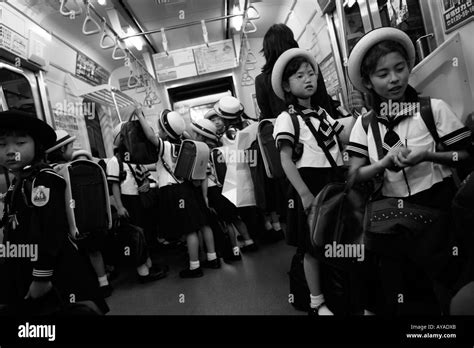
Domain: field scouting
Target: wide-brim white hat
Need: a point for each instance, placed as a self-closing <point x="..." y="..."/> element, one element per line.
<point x="282" y="62"/>
<point x="367" y="42"/>
<point x="229" y="107"/>
<point x="206" y="128"/>
<point x="172" y="123"/>
<point x="62" y="138"/>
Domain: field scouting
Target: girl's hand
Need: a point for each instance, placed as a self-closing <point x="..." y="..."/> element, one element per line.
<point x="38" y="289"/>
<point x="391" y="162"/>
<point x="122" y="212"/>
<point x="307" y="199"/>
<point x="410" y="158"/>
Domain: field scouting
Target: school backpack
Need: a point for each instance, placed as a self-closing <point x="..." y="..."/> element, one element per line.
<point x="268" y="149"/>
<point x="267" y="146"/>
<point x="137" y="148"/>
<point x="87" y="198"/>
<point x="192" y="160"/>
<point x="219" y="165"/>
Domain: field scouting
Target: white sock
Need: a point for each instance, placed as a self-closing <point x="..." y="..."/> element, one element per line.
<point x="276" y="226"/>
<point x="143" y="270"/>
<point x="236" y="250"/>
<point x="268" y="225"/>
<point x="194" y="265"/>
<point x="248" y="242"/>
<point x="316" y="301"/>
<point x="103" y="281"/>
<point x="211" y="256"/>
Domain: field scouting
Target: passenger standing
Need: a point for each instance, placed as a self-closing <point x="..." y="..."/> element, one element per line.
<point x="59" y="154"/>
<point x="294" y="80"/>
<point x="277" y="40"/>
<point x="35" y="215"/>
<point x="411" y="166"/>
<point x="179" y="209"/>
<point x="125" y="190"/>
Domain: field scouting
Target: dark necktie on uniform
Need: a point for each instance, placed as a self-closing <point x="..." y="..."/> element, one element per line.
<point x="391" y="139"/>
<point x="325" y="130"/>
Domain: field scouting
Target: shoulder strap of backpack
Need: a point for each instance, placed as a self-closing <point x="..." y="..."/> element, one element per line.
<point x="374" y="124"/>
<point x="427" y="116"/>
<point x="320" y="142"/>
<point x="296" y="126"/>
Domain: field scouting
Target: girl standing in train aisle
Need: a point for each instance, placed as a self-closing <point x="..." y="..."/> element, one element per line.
<point x="294" y="80"/>
<point x="35" y="215"/>
<point x="277" y="40"/>
<point x="61" y="153"/>
<point x="179" y="209"/>
<point x="230" y="112"/>
<point x="205" y="131"/>
<point x="125" y="191"/>
<point x="412" y="168"/>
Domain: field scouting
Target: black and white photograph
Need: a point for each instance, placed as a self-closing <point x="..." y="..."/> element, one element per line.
<point x="276" y="171"/>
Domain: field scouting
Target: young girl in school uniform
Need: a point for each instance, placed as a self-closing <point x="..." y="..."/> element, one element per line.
<point x="412" y="168"/>
<point x="61" y="153"/>
<point x="35" y="215"/>
<point x="205" y="131"/>
<point x="294" y="80"/>
<point x="180" y="211"/>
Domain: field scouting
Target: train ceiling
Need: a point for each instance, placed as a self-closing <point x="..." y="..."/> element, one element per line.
<point x="149" y="15"/>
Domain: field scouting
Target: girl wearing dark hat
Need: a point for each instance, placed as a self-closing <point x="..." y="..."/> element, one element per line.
<point x="179" y="212"/>
<point x="412" y="165"/>
<point x="35" y="215"/>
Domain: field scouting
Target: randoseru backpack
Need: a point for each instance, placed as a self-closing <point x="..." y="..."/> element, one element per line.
<point x="138" y="149"/>
<point x="192" y="160"/>
<point x="87" y="198"/>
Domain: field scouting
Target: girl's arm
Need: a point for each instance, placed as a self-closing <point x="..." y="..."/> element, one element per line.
<point x="448" y="158"/>
<point x="146" y="128"/>
<point x="121" y="211"/>
<point x="294" y="176"/>
<point x="204" y="186"/>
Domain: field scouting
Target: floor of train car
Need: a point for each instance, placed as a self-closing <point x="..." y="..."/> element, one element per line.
<point x="257" y="285"/>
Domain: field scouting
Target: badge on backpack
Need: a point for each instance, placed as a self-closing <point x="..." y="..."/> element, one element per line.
<point x="40" y="196"/>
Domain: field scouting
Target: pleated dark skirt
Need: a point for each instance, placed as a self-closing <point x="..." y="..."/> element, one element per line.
<point x="179" y="212"/>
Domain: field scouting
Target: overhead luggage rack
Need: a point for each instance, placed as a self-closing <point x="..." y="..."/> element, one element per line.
<point x="108" y="95"/>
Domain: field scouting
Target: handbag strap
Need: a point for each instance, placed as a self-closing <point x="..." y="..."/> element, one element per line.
<point x="320" y="142"/>
<point x="133" y="173"/>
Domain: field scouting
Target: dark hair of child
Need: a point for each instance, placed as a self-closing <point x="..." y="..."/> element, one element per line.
<point x="39" y="148"/>
<point x="290" y="69"/>
<point x="277" y="40"/>
<point x="369" y="64"/>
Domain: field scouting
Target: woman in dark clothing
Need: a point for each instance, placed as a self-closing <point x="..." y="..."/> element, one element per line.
<point x="277" y="40"/>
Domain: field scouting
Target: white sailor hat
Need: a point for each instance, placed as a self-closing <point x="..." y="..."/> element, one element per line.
<point x="62" y="138"/>
<point x="206" y="128"/>
<point x="229" y="107"/>
<point x="282" y="62"/>
<point x="368" y="41"/>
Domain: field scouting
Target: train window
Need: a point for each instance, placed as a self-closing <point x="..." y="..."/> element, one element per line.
<point x="16" y="91"/>
<point x="404" y="15"/>
<point x="354" y="25"/>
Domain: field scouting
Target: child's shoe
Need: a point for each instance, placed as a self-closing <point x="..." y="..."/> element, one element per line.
<point x="233" y="257"/>
<point x="191" y="273"/>
<point x="155" y="274"/>
<point x="215" y="264"/>
<point x="106" y="290"/>
<point x="249" y="248"/>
